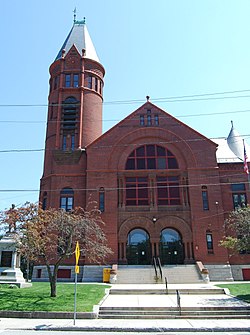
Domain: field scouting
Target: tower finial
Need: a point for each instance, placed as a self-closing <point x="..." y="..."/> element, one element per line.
<point x="84" y="20"/>
<point x="232" y="123"/>
<point x="74" y="11"/>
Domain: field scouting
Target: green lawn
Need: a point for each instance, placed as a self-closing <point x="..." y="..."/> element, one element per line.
<point x="240" y="291"/>
<point x="37" y="297"/>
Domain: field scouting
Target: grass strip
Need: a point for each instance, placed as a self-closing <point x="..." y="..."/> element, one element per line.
<point x="37" y="297"/>
<point x="240" y="291"/>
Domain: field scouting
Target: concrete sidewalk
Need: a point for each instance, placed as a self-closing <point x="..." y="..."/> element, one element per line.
<point x="170" y="325"/>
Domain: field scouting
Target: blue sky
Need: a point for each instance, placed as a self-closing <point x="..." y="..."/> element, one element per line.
<point x="159" y="48"/>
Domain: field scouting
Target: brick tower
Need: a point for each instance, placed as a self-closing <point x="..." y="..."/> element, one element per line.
<point x="74" y="119"/>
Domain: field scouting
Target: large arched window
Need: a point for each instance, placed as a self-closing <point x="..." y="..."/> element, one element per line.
<point x="150" y="157"/>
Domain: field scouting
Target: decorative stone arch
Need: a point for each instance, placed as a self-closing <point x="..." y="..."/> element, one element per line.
<point x="132" y="223"/>
<point x="176" y="223"/>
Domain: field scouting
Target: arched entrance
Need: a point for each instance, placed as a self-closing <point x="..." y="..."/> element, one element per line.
<point x="138" y="247"/>
<point x="171" y="247"/>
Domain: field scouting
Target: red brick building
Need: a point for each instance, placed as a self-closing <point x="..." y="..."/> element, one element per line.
<point x="163" y="188"/>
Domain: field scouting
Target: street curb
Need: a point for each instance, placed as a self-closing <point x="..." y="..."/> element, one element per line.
<point x="47" y="315"/>
<point x="139" y="329"/>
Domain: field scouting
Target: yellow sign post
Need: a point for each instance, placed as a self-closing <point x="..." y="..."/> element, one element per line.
<point x="77" y="270"/>
<point x="77" y="255"/>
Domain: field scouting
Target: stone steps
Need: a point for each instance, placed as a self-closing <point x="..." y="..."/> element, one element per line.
<point x="186" y="291"/>
<point x="146" y="275"/>
<point x="173" y="312"/>
<point x="196" y="302"/>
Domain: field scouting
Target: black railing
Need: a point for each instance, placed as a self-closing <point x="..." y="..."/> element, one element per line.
<point x="178" y="301"/>
<point x="160" y="267"/>
<point x="166" y="283"/>
<point x="155" y="267"/>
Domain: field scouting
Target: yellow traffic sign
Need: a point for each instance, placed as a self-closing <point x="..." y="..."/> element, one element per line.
<point x="77" y="252"/>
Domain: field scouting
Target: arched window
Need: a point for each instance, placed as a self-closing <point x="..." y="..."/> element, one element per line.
<point x="137" y="236"/>
<point x="67" y="199"/>
<point x="69" y="123"/>
<point x="204" y="194"/>
<point x="101" y="199"/>
<point x="150" y="157"/>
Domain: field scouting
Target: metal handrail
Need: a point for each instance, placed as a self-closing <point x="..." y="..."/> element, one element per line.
<point x="160" y="267"/>
<point x="155" y="267"/>
<point x="178" y="301"/>
<point x="166" y="283"/>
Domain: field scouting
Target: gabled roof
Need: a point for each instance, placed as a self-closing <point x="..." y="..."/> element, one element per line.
<point x="79" y="36"/>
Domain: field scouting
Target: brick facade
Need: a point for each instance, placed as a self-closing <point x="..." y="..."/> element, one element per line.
<point x="97" y="163"/>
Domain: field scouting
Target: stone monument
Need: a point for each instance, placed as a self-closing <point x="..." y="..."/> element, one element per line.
<point x="10" y="272"/>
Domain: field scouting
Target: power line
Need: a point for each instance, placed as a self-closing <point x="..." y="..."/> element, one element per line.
<point x="123" y="188"/>
<point x="184" y="98"/>
<point x="135" y="118"/>
<point x="137" y="144"/>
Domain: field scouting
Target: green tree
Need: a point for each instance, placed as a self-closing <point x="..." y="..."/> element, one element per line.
<point x="237" y="227"/>
<point x="49" y="236"/>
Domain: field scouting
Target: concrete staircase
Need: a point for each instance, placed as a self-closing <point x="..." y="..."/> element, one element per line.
<point x="174" y="313"/>
<point x="154" y="307"/>
<point x="175" y="274"/>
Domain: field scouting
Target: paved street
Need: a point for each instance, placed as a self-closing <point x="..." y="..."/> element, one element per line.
<point x="34" y="332"/>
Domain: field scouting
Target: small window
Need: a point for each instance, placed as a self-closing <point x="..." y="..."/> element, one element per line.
<point x="156" y="120"/>
<point x="66" y="199"/>
<point x="142" y="123"/>
<point x="149" y="121"/>
<point x="89" y="82"/>
<point x="72" y="142"/>
<point x="205" y="198"/>
<point x="100" y="87"/>
<point x="239" y="195"/>
<point x="64" y="144"/>
<point x="209" y="239"/>
<point x="76" y="80"/>
<point x="67" y="80"/>
<point x="101" y="199"/>
<point x="96" y="84"/>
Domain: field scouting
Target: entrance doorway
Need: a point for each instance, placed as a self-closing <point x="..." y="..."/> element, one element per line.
<point x="138" y="247"/>
<point x="171" y="247"/>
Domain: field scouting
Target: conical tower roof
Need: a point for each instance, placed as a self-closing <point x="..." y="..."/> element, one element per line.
<point x="79" y="36"/>
<point x="235" y="143"/>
